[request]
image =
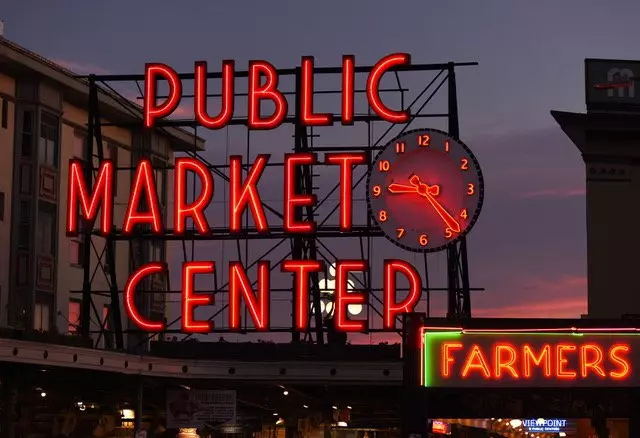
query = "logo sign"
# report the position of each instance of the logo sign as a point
(529, 359)
(611, 85)
(553, 425)
(440, 427)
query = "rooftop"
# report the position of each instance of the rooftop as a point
(17, 60)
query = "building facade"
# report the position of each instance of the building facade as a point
(43, 124)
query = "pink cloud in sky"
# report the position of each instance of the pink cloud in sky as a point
(555, 193)
(563, 297)
(184, 111)
(80, 68)
(560, 308)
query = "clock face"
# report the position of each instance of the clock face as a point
(425, 190)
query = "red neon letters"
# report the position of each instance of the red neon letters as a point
(143, 208)
(101, 197)
(255, 293)
(263, 86)
(302, 269)
(558, 361)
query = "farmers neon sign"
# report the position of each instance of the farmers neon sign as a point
(143, 208)
(528, 358)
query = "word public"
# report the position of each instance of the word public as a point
(143, 209)
(263, 86)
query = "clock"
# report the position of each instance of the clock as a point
(425, 190)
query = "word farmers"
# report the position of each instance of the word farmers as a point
(257, 302)
(263, 86)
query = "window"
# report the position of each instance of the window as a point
(76, 247)
(48, 144)
(27, 133)
(159, 169)
(105, 318)
(24, 228)
(76, 251)
(110, 152)
(46, 230)
(42, 316)
(5, 113)
(25, 179)
(79, 146)
(74, 316)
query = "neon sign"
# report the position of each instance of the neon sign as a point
(545, 425)
(526, 358)
(95, 205)
(259, 72)
(440, 427)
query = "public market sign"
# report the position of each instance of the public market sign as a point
(450, 195)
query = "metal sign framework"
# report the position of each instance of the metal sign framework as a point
(302, 246)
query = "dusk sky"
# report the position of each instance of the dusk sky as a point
(528, 248)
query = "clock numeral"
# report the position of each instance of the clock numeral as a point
(400, 147)
(446, 145)
(376, 191)
(400, 232)
(448, 233)
(382, 216)
(465, 164)
(384, 166)
(424, 240)
(463, 214)
(471, 189)
(424, 140)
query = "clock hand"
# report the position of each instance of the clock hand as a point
(424, 191)
(402, 188)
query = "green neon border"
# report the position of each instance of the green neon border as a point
(428, 336)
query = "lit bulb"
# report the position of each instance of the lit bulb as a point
(327, 286)
(43, 394)
(334, 407)
(275, 414)
(286, 392)
(515, 423)
(305, 406)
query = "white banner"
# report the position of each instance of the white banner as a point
(199, 408)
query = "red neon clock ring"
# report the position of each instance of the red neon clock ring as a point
(425, 190)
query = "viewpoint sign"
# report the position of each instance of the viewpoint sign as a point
(529, 358)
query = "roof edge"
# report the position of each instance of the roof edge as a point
(70, 80)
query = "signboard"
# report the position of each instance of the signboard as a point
(611, 85)
(440, 427)
(406, 197)
(474, 358)
(197, 408)
(547, 425)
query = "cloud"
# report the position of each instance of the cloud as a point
(80, 68)
(561, 308)
(553, 297)
(555, 193)
(184, 111)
